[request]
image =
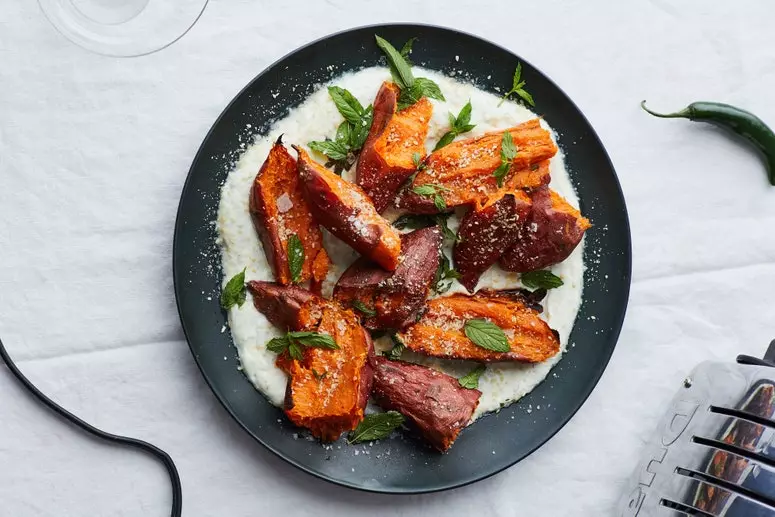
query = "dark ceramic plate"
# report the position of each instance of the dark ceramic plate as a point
(496, 441)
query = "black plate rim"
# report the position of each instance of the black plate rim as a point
(402, 491)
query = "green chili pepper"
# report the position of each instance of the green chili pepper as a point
(742, 122)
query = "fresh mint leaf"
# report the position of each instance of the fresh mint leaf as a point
(333, 149)
(278, 345)
(517, 87)
(376, 426)
(508, 149)
(344, 133)
(319, 376)
(427, 88)
(486, 334)
(359, 132)
(350, 135)
(314, 340)
(444, 276)
(347, 104)
(293, 342)
(294, 350)
(471, 379)
(501, 172)
(422, 87)
(413, 222)
(412, 89)
(295, 252)
(399, 68)
(464, 117)
(394, 354)
(406, 98)
(234, 292)
(365, 309)
(445, 140)
(432, 191)
(407, 49)
(418, 161)
(439, 203)
(424, 190)
(508, 153)
(541, 279)
(457, 126)
(525, 96)
(441, 220)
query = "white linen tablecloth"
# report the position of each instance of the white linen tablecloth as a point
(93, 155)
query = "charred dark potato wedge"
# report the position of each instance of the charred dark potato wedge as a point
(484, 235)
(433, 402)
(393, 300)
(552, 231)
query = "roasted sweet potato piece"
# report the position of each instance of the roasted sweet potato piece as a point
(328, 389)
(386, 160)
(347, 212)
(464, 169)
(396, 298)
(439, 333)
(279, 210)
(484, 234)
(552, 231)
(432, 401)
(280, 304)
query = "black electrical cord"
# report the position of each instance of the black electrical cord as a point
(177, 495)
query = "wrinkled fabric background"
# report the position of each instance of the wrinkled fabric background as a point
(93, 155)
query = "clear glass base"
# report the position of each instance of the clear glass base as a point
(123, 28)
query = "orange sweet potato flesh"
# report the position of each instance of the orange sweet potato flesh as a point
(279, 210)
(552, 231)
(439, 333)
(386, 160)
(484, 234)
(465, 168)
(348, 213)
(396, 298)
(327, 389)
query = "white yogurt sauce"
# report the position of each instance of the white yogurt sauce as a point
(317, 118)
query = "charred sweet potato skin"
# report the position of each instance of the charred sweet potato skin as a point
(280, 304)
(552, 231)
(348, 213)
(439, 333)
(484, 234)
(465, 168)
(396, 297)
(432, 401)
(279, 210)
(386, 160)
(327, 389)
